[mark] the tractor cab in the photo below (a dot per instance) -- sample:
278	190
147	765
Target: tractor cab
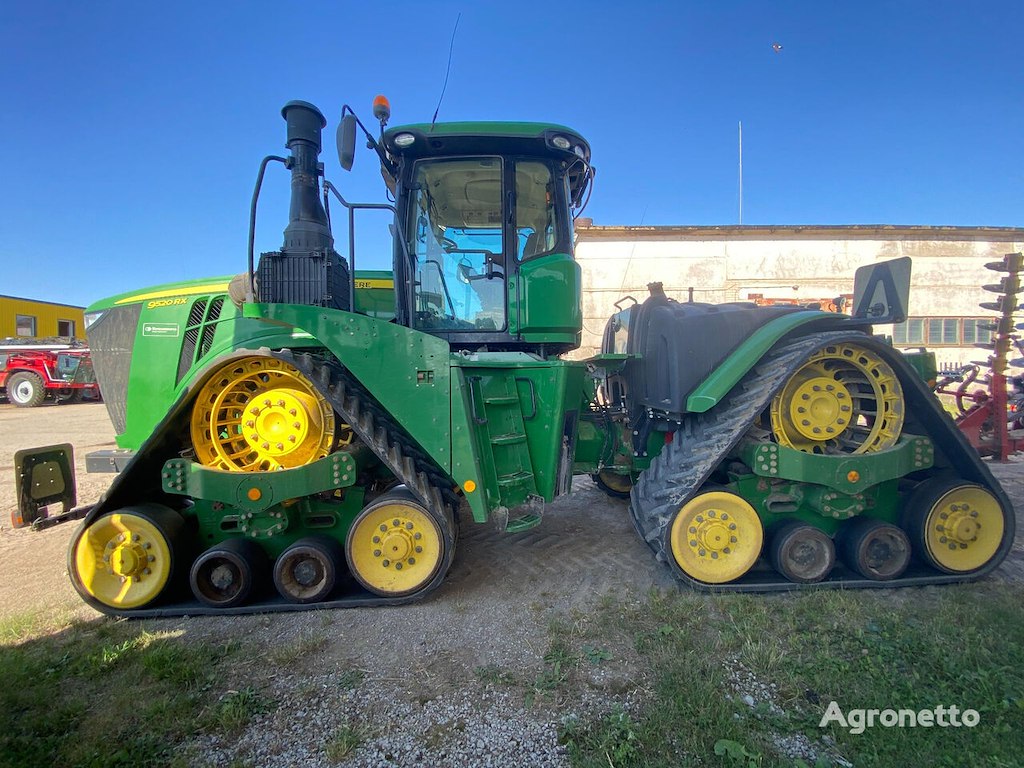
483	253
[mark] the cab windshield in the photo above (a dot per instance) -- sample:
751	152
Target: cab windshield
461	246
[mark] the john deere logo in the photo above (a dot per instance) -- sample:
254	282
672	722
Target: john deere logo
159	329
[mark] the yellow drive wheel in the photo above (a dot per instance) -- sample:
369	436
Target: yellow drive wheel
954	525
395	546
125	559
258	414
716	537
843	400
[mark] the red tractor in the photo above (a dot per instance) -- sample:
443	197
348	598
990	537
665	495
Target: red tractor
29	375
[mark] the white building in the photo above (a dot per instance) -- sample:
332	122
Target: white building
800	264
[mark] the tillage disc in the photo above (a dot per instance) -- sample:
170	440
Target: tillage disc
258	414
125	559
716	537
395	546
954	525
843	400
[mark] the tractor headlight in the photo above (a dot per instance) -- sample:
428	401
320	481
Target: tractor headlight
561	142
404	140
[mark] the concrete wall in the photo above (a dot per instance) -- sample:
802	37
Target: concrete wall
793	263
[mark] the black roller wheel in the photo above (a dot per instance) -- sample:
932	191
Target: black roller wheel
309	570
225	575
802	553
874	549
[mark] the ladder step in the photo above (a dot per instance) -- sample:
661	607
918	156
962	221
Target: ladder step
524	523
501	400
509	439
516	478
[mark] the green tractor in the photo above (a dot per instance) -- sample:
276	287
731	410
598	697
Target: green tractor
305	433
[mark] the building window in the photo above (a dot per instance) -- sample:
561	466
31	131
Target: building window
66	328
909	332
977	332
25	325
942	331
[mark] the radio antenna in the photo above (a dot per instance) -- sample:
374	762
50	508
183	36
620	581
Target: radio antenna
448	69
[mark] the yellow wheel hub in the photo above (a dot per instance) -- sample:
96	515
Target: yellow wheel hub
123	560
964	528
260	414
716	537
843	400
394	547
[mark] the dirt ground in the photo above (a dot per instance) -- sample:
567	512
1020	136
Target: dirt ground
495	609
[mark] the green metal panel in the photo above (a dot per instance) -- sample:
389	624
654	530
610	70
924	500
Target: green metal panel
814	505
848	474
745	357
407	371
545	300
158	348
257	491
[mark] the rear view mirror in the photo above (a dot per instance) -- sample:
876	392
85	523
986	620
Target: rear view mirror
347	141
881	291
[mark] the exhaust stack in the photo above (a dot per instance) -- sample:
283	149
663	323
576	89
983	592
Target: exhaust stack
307	269
307	230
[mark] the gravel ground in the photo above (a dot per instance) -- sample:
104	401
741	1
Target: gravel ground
447	682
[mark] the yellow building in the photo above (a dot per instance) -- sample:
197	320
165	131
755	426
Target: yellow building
28	318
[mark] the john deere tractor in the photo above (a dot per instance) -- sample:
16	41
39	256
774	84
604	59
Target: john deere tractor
306	432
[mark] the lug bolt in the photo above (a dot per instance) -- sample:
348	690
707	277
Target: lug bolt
733	539
383	527
266	401
280	403
396	523
150	558
700	519
250	423
693	542
974	513
726	550
266	445
280	446
714	555
419	549
398	566
408	526
296	425
376	539
693	529
701	552
412	561
385	563
943	539
417	535
147	571
376	553
254	411
732	526
292	412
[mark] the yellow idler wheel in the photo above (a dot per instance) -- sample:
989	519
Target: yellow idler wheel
258	414
614	484
954	525
395	546
126	559
843	400
716	537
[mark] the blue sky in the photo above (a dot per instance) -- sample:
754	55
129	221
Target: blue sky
133	131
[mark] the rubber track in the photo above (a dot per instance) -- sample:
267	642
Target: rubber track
399	453
704	440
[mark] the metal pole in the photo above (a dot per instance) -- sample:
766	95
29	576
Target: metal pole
741	172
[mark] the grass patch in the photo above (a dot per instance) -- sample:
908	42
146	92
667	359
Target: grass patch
345	741
236	708
793	655
99	693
